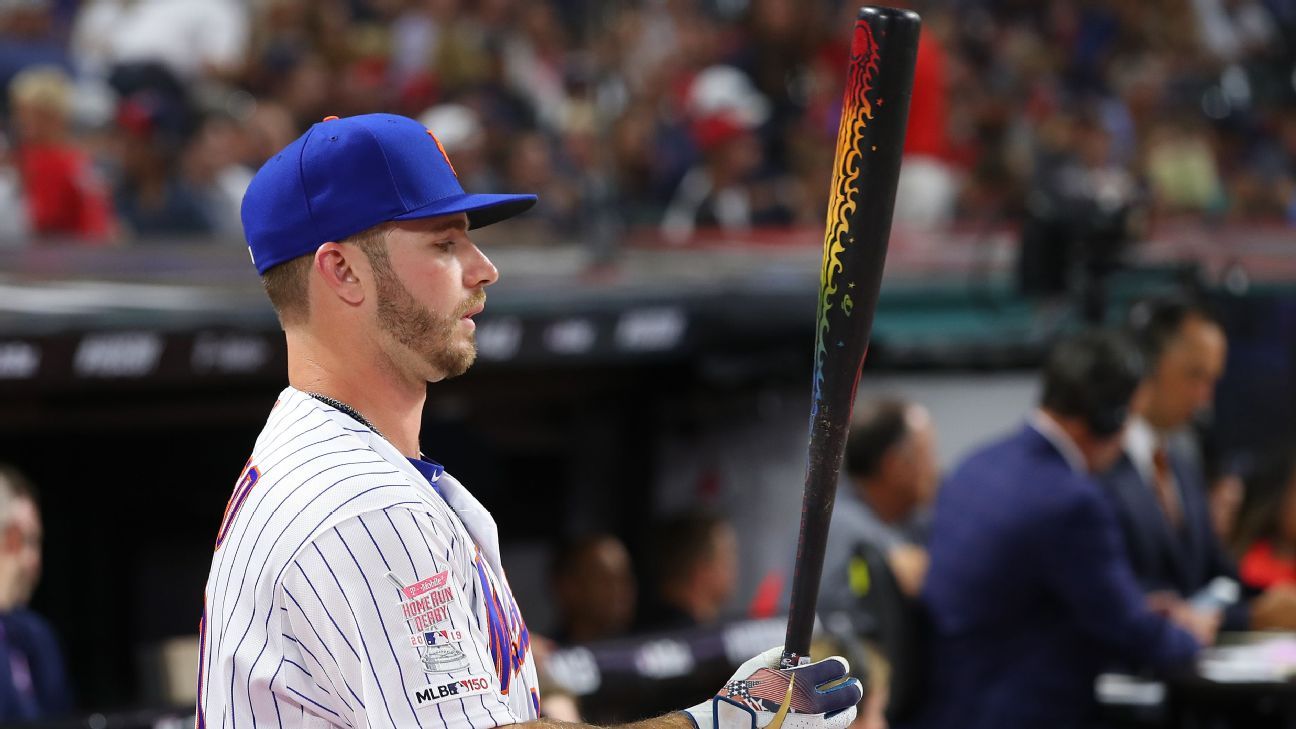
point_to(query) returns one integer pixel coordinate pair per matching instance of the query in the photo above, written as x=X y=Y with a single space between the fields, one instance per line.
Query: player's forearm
x=673 y=720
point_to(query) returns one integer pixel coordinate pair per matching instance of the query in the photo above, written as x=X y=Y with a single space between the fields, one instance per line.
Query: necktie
x=1164 y=484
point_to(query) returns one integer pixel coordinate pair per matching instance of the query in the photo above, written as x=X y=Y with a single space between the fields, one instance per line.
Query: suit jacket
x=1183 y=560
x=1030 y=594
x=33 y=681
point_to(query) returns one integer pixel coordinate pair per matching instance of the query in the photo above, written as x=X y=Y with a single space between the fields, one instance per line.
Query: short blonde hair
x=43 y=86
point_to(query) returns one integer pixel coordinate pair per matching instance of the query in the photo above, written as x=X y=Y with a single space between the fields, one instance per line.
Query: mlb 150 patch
x=433 y=694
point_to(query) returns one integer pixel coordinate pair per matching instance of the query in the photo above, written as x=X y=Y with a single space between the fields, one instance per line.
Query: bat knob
x=885 y=14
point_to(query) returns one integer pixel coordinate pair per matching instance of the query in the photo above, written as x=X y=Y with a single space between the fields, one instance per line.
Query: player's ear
x=341 y=269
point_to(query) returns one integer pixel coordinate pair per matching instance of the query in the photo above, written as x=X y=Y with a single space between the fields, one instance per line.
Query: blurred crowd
x=134 y=119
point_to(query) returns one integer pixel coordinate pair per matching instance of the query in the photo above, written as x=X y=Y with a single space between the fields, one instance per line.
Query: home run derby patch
x=426 y=607
x=435 y=693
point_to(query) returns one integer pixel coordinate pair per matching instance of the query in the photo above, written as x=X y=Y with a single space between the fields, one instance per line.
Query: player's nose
x=478 y=269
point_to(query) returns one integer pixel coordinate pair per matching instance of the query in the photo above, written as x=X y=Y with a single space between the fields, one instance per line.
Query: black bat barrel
x=870 y=143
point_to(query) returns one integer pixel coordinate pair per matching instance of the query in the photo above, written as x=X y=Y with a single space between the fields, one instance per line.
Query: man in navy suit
x=1029 y=591
x=1157 y=486
x=33 y=681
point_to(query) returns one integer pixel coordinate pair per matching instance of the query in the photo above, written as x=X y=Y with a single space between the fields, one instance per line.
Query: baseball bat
x=870 y=141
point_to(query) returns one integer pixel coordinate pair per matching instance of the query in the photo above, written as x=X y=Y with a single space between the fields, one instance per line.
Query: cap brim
x=482 y=210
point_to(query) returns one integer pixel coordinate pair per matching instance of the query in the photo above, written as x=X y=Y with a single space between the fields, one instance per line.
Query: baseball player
x=355 y=583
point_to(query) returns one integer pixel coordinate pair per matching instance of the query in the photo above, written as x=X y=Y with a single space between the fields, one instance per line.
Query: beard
x=431 y=336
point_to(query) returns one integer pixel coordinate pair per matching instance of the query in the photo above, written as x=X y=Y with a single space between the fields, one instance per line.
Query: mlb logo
x=440 y=637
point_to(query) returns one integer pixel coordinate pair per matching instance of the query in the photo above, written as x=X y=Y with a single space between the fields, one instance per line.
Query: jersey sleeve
x=380 y=631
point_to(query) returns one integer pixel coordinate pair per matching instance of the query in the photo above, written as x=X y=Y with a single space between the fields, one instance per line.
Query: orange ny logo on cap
x=443 y=152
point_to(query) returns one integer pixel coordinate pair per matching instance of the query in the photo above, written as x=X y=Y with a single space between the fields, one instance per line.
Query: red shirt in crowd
x=929 y=106
x=1262 y=569
x=65 y=195
x=928 y=130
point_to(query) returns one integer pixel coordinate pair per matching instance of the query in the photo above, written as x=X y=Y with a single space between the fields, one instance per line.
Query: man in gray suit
x=892 y=475
x=877 y=558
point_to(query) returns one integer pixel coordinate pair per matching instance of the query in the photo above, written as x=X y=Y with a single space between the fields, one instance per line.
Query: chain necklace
x=348 y=410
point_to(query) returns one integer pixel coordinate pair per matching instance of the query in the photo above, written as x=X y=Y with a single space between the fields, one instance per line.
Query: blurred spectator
x=1284 y=170
x=268 y=129
x=303 y=87
x=1029 y=590
x=417 y=34
x=892 y=472
x=728 y=189
x=28 y=37
x=595 y=590
x=13 y=208
x=532 y=166
x=33 y=680
x=20 y=539
x=152 y=198
x=213 y=169
x=194 y=39
x=695 y=566
x=1225 y=495
x=1082 y=212
x=1157 y=487
x=1182 y=168
x=1268 y=531
x=1225 y=487
x=714 y=193
x=65 y=196
x=876 y=558
x=535 y=60
x=1233 y=30
x=928 y=185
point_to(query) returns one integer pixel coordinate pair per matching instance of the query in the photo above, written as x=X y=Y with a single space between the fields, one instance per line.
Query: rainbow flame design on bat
x=857 y=112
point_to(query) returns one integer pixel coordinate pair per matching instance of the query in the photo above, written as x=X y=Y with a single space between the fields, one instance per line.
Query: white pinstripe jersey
x=352 y=588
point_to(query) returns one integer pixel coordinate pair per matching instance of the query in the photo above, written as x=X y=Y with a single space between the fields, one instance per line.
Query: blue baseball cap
x=347 y=175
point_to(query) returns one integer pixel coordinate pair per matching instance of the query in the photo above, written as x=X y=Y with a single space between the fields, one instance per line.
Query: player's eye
x=445 y=245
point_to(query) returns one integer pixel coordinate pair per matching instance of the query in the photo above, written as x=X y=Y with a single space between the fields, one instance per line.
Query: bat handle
x=792 y=660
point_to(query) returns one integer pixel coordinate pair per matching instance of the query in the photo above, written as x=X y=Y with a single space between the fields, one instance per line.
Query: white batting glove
x=818 y=695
